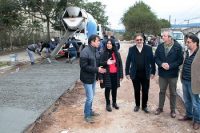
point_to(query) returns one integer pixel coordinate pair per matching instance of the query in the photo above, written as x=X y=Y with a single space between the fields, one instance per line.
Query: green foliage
x=140 y=18
x=164 y=23
x=10 y=19
x=96 y=9
x=22 y=21
x=10 y=13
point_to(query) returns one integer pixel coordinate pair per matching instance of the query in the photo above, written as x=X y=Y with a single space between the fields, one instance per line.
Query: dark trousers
x=163 y=84
x=137 y=83
x=113 y=89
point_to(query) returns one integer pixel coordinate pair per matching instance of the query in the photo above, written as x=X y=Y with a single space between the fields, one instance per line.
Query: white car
x=179 y=37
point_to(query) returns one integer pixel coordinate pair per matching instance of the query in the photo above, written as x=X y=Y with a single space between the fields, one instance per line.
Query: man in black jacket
x=168 y=57
x=88 y=74
x=140 y=67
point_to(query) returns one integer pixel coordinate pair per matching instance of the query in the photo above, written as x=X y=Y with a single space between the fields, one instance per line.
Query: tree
x=40 y=9
x=140 y=18
x=96 y=9
x=11 y=18
x=164 y=23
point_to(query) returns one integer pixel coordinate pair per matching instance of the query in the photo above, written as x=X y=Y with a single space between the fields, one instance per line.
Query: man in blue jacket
x=168 y=57
x=140 y=67
x=72 y=47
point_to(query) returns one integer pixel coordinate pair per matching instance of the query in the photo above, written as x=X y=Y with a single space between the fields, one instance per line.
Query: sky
x=179 y=11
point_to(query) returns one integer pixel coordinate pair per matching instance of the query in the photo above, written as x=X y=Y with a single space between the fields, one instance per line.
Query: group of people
x=36 y=48
x=140 y=68
x=70 y=49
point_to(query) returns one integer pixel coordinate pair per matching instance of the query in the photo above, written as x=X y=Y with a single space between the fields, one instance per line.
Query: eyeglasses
x=188 y=42
x=139 y=40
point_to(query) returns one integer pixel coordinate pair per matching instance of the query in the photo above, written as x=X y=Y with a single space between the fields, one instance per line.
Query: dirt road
x=67 y=113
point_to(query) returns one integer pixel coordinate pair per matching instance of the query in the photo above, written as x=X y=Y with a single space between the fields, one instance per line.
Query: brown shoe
x=173 y=114
x=185 y=118
x=196 y=126
x=158 y=111
x=94 y=114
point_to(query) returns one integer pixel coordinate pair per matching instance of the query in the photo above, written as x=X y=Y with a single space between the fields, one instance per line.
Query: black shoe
x=108 y=108
x=115 y=106
x=146 y=110
x=94 y=114
x=185 y=118
x=136 y=109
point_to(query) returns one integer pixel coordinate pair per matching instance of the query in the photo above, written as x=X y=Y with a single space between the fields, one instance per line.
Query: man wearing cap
x=168 y=57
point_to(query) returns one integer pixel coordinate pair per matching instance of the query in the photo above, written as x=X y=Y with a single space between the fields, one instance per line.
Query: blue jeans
x=191 y=101
x=72 y=54
x=90 y=92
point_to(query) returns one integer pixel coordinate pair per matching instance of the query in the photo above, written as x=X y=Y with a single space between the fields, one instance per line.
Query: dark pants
x=137 y=83
x=113 y=89
x=163 y=84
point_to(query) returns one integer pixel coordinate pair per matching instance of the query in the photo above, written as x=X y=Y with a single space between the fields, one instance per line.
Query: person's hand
x=152 y=76
x=101 y=81
x=101 y=70
x=109 y=61
x=165 y=66
x=128 y=77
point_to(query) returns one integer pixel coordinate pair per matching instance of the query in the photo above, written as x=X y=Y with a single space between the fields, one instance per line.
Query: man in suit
x=168 y=57
x=140 y=67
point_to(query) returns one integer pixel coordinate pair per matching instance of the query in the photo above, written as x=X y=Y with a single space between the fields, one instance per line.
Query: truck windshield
x=178 y=36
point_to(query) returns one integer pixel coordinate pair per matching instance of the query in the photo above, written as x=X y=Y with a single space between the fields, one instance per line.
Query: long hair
x=110 y=51
x=113 y=45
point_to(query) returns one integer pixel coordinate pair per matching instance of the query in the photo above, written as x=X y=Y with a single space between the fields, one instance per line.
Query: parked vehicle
x=179 y=37
x=81 y=25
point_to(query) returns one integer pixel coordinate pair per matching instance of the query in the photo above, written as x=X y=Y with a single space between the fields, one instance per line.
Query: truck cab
x=179 y=37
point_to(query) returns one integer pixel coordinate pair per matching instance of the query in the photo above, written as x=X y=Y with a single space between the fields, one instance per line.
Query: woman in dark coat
x=111 y=60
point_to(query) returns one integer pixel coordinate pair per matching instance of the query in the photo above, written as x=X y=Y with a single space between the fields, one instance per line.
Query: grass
x=3 y=64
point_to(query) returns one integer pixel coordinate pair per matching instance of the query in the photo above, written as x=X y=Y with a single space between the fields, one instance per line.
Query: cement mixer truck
x=74 y=21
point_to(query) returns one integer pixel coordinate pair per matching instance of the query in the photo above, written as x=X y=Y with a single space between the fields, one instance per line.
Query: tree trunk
x=48 y=28
x=10 y=39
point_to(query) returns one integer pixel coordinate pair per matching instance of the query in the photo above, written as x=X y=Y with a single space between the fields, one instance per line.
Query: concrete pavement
x=26 y=93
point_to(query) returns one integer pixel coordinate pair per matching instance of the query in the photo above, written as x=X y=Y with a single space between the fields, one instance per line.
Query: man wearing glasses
x=190 y=81
x=168 y=57
x=140 y=67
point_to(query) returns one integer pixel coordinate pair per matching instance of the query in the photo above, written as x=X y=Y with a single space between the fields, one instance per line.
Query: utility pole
x=188 y=21
x=170 y=19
